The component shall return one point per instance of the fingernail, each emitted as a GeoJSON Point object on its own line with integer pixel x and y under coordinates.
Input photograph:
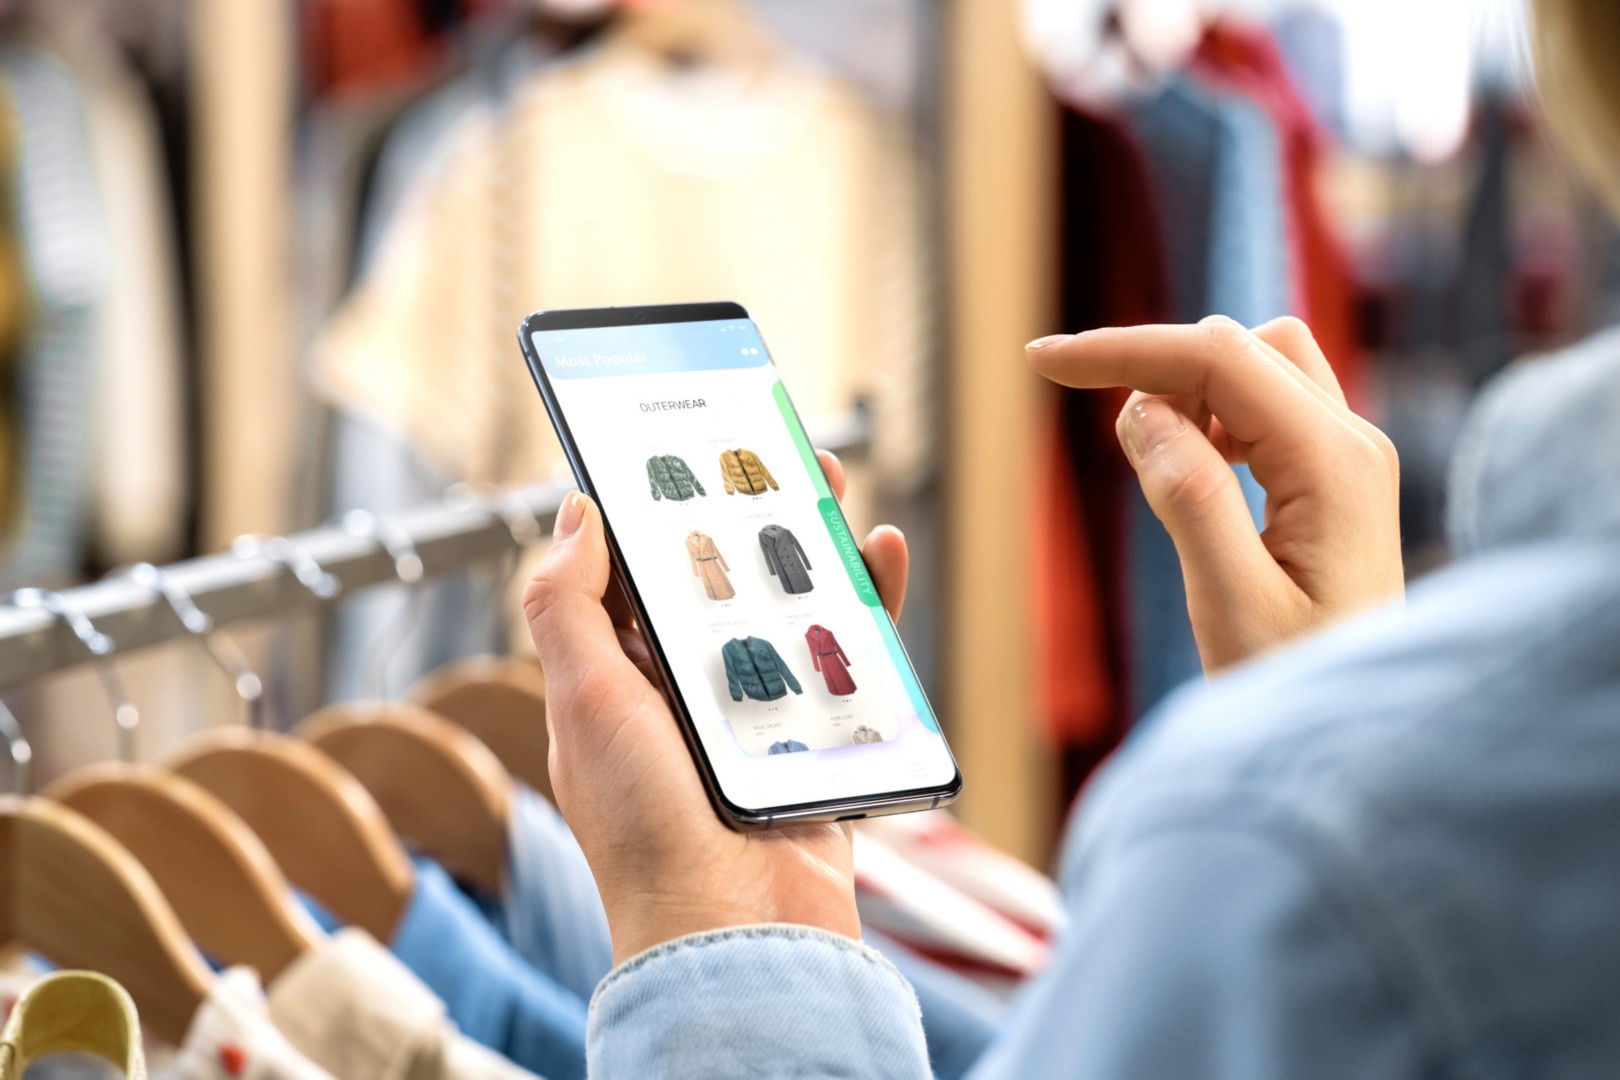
{"type": "Point", "coordinates": [1150, 424]}
{"type": "Point", "coordinates": [569, 515]}
{"type": "Point", "coordinates": [1048, 340]}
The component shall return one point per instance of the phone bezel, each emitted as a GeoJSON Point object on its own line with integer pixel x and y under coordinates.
{"type": "Point", "coordinates": [734, 815]}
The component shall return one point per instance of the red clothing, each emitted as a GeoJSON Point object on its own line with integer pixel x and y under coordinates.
{"type": "Point", "coordinates": [366, 45]}
{"type": "Point", "coordinates": [827, 657]}
{"type": "Point", "coordinates": [1242, 57]}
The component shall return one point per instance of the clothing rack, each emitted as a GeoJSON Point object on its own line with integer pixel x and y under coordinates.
{"type": "Point", "coordinates": [447, 536]}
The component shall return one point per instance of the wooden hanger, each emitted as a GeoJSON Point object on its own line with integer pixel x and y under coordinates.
{"type": "Point", "coordinates": [713, 33]}
{"type": "Point", "coordinates": [222, 882]}
{"type": "Point", "coordinates": [502, 701]}
{"type": "Point", "coordinates": [319, 823]}
{"type": "Point", "coordinates": [443, 791]}
{"type": "Point", "coordinates": [73, 894]}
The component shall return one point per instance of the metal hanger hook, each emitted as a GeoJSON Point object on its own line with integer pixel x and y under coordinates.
{"type": "Point", "coordinates": [408, 568]}
{"type": "Point", "coordinates": [520, 520]}
{"type": "Point", "coordinates": [22, 754]}
{"type": "Point", "coordinates": [100, 648]}
{"type": "Point", "coordinates": [221, 649]}
{"type": "Point", "coordinates": [522, 526]}
{"type": "Point", "coordinates": [394, 540]}
{"type": "Point", "coordinates": [308, 573]}
{"type": "Point", "coordinates": [504, 505]}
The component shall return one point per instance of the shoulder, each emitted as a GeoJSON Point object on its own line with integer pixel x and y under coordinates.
{"type": "Point", "coordinates": [1446, 772]}
{"type": "Point", "coordinates": [1451, 668]}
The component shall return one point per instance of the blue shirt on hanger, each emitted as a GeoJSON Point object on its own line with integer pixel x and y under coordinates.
{"type": "Point", "coordinates": [551, 912]}
{"type": "Point", "coordinates": [1216, 167]}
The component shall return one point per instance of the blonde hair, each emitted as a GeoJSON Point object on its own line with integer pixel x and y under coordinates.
{"type": "Point", "coordinates": [1579, 79]}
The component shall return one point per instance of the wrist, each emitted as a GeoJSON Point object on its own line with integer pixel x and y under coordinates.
{"type": "Point", "coordinates": [641, 924]}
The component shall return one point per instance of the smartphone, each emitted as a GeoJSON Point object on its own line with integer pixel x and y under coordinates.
{"type": "Point", "coordinates": [785, 672]}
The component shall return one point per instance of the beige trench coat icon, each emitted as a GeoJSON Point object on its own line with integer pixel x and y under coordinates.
{"type": "Point", "coordinates": [709, 566]}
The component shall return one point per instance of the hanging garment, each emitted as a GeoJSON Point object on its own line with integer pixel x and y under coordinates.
{"type": "Point", "coordinates": [791, 194]}
{"type": "Point", "coordinates": [755, 669]}
{"type": "Point", "coordinates": [15, 316]}
{"type": "Point", "coordinates": [488, 992]}
{"type": "Point", "coordinates": [709, 566]}
{"type": "Point", "coordinates": [1112, 275]}
{"type": "Point", "coordinates": [785, 559]}
{"type": "Point", "coordinates": [138, 495]}
{"type": "Point", "coordinates": [671, 478]}
{"type": "Point", "coordinates": [1243, 56]}
{"type": "Point", "coordinates": [374, 465]}
{"type": "Point", "coordinates": [359, 1013]}
{"type": "Point", "coordinates": [939, 844]}
{"type": "Point", "coordinates": [551, 911]}
{"type": "Point", "coordinates": [744, 473]}
{"type": "Point", "coordinates": [360, 46]}
{"type": "Point", "coordinates": [72, 1012]}
{"type": "Point", "coordinates": [69, 252]}
{"type": "Point", "coordinates": [1313, 43]}
{"type": "Point", "coordinates": [232, 1038]}
{"type": "Point", "coordinates": [923, 912]}
{"type": "Point", "coordinates": [787, 746]}
{"type": "Point", "coordinates": [827, 657]}
{"type": "Point", "coordinates": [1216, 169]}
{"type": "Point", "coordinates": [864, 734]}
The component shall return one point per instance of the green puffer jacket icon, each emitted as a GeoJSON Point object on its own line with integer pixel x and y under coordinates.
{"type": "Point", "coordinates": [756, 670]}
{"type": "Point", "coordinates": [671, 478]}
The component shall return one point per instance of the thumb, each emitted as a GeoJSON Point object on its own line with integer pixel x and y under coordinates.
{"type": "Point", "coordinates": [572, 631]}
{"type": "Point", "coordinates": [1195, 494]}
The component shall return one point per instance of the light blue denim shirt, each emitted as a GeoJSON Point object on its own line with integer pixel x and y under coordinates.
{"type": "Point", "coordinates": [1392, 850]}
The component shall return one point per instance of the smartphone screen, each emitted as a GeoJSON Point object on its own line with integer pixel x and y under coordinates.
{"type": "Point", "coordinates": [798, 695]}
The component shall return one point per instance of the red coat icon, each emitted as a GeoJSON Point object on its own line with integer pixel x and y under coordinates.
{"type": "Point", "coordinates": [828, 658]}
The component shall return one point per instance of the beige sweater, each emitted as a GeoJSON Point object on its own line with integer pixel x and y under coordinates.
{"type": "Point", "coordinates": [615, 181]}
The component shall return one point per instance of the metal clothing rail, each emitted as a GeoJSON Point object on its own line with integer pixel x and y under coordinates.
{"type": "Point", "coordinates": [233, 587]}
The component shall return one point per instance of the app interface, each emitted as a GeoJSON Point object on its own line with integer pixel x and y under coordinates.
{"type": "Point", "coordinates": [788, 664]}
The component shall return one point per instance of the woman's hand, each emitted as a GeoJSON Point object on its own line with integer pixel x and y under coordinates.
{"type": "Point", "coordinates": [1217, 394]}
{"type": "Point", "coordinates": [623, 778]}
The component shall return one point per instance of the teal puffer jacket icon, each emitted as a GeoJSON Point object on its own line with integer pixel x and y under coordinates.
{"type": "Point", "coordinates": [754, 668]}
{"type": "Point", "coordinates": [671, 478]}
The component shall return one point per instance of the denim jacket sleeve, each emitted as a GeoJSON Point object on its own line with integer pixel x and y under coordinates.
{"type": "Point", "coordinates": [1207, 949]}
{"type": "Point", "coordinates": [1152, 979]}
{"type": "Point", "coordinates": [756, 1001]}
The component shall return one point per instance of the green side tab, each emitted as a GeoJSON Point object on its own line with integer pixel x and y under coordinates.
{"type": "Point", "coordinates": [807, 453]}
{"type": "Point", "coordinates": [849, 551]}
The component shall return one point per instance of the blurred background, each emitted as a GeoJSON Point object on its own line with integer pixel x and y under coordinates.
{"type": "Point", "coordinates": [262, 263]}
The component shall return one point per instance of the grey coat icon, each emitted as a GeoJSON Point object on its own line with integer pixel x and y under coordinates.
{"type": "Point", "coordinates": [785, 559]}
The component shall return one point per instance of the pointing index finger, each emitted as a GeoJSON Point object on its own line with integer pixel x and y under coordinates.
{"type": "Point", "coordinates": [1217, 360]}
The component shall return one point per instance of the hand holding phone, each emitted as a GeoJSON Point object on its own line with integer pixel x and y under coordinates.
{"type": "Point", "coordinates": [665, 864]}
{"type": "Point", "coordinates": [763, 626]}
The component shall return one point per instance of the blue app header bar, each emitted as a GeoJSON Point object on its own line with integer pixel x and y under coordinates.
{"type": "Point", "coordinates": [660, 349]}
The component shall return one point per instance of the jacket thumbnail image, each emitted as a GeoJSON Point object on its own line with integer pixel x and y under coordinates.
{"type": "Point", "coordinates": [827, 657]}
{"type": "Point", "coordinates": [864, 734]}
{"type": "Point", "coordinates": [671, 478]}
{"type": "Point", "coordinates": [754, 668]}
{"type": "Point", "coordinates": [785, 559]}
{"type": "Point", "coordinates": [709, 566]}
{"type": "Point", "coordinates": [787, 746]}
{"type": "Point", "coordinates": [744, 473]}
